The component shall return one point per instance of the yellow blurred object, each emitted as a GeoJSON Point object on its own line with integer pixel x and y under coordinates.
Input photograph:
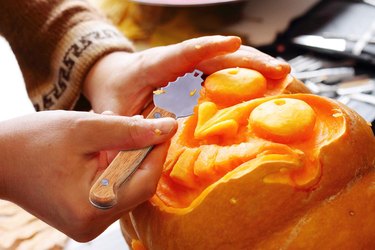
{"type": "Point", "coordinates": [177, 29]}
{"type": "Point", "coordinates": [134, 20]}
{"type": "Point", "coordinates": [151, 25]}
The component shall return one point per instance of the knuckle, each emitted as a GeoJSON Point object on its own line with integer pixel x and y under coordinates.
{"type": "Point", "coordinates": [81, 225]}
{"type": "Point", "coordinates": [83, 236]}
{"type": "Point", "coordinates": [135, 130]}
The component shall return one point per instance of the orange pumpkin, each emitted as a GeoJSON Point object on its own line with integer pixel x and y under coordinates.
{"type": "Point", "coordinates": [258, 167]}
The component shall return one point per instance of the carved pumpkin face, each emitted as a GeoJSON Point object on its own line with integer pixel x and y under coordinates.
{"type": "Point", "coordinates": [250, 164]}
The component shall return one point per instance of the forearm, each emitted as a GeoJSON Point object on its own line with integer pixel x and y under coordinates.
{"type": "Point", "coordinates": [3, 178]}
{"type": "Point", "coordinates": [56, 42]}
{"type": "Point", "coordinates": [8, 141]}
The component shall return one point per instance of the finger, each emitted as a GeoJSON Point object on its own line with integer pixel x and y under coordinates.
{"type": "Point", "coordinates": [248, 57]}
{"type": "Point", "coordinates": [177, 59]}
{"type": "Point", "coordinates": [108, 156]}
{"type": "Point", "coordinates": [108, 132]}
{"type": "Point", "coordinates": [142, 185]}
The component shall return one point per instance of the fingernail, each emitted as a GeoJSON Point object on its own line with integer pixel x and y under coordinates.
{"type": "Point", "coordinates": [274, 62]}
{"type": "Point", "coordinates": [277, 65]}
{"type": "Point", "coordinates": [163, 126]}
{"type": "Point", "coordinates": [108, 112]}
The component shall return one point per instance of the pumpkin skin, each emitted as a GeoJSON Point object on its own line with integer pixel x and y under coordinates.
{"type": "Point", "coordinates": [257, 191]}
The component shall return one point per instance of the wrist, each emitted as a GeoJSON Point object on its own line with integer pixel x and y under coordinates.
{"type": "Point", "coordinates": [4, 161]}
{"type": "Point", "coordinates": [105, 80]}
{"type": "Point", "coordinates": [14, 143]}
{"type": "Point", "coordinates": [98, 76]}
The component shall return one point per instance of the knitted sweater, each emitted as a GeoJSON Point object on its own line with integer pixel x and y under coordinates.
{"type": "Point", "coordinates": [55, 43]}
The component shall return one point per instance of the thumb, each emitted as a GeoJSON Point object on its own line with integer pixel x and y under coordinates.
{"type": "Point", "coordinates": [110, 132]}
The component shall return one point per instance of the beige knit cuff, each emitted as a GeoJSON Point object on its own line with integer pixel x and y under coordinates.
{"type": "Point", "coordinates": [80, 48]}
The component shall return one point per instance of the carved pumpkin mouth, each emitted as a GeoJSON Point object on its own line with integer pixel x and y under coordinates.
{"type": "Point", "coordinates": [283, 134]}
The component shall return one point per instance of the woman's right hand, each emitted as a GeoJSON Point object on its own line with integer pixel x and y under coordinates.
{"type": "Point", "coordinates": [49, 161]}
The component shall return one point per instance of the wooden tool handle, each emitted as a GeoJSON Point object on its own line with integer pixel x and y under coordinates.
{"type": "Point", "coordinates": [103, 193]}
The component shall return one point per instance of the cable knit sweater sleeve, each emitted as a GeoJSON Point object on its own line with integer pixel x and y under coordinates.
{"type": "Point", "coordinates": [56, 42]}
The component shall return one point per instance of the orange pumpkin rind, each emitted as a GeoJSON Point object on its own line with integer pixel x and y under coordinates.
{"type": "Point", "coordinates": [260, 185]}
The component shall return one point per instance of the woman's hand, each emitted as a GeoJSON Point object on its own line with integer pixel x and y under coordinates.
{"type": "Point", "coordinates": [49, 161]}
{"type": "Point", "coordinates": [123, 82]}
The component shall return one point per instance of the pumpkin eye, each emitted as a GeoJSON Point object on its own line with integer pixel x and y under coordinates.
{"type": "Point", "coordinates": [283, 120]}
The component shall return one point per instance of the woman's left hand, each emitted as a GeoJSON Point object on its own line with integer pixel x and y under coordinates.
{"type": "Point", "coordinates": [123, 82]}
